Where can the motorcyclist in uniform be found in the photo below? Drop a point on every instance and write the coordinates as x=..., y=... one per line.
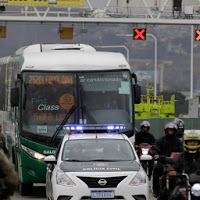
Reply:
x=188, y=161
x=180, y=127
x=145, y=137
x=164, y=147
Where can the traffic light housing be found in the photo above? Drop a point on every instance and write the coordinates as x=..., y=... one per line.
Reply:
x=197, y=35
x=2, y=31
x=66, y=32
x=139, y=33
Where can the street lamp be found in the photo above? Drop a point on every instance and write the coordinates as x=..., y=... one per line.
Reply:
x=155, y=68
x=118, y=46
x=191, y=63
x=156, y=65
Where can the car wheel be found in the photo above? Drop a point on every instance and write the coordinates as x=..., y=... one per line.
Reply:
x=25, y=189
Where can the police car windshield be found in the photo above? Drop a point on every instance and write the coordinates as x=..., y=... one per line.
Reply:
x=109, y=150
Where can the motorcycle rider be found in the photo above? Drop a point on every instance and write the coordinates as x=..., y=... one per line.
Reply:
x=189, y=160
x=180, y=127
x=164, y=146
x=145, y=137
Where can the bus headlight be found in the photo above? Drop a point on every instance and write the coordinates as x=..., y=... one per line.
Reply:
x=63, y=179
x=139, y=179
x=33, y=153
x=195, y=190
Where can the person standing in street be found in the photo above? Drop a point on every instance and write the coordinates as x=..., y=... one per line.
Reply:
x=3, y=142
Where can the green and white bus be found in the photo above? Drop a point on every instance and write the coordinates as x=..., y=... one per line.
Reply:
x=46, y=82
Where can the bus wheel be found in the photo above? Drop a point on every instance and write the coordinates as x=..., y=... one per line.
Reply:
x=25, y=189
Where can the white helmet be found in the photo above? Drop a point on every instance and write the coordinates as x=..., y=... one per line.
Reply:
x=145, y=124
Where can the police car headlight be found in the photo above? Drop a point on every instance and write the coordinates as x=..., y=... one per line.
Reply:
x=139, y=179
x=195, y=190
x=63, y=179
x=33, y=153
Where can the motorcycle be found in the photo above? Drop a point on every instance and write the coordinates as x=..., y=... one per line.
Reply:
x=178, y=187
x=194, y=180
x=146, y=159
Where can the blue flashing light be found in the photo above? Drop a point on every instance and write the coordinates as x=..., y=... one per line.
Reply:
x=110, y=127
x=73, y=127
x=79, y=128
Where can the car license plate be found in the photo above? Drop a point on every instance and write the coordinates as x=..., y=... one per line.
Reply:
x=96, y=194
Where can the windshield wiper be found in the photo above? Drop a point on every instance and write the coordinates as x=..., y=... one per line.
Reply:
x=68, y=115
x=90, y=117
x=88, y=114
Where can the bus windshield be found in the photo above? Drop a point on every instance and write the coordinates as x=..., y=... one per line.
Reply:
x=99, y=97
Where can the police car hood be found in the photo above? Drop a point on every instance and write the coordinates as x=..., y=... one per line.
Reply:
x=99, y=166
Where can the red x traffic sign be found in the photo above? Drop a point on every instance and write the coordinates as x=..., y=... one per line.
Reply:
x=139, y=33
x=197, y=35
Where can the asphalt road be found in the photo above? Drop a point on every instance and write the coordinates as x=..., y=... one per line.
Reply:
x=39, y=194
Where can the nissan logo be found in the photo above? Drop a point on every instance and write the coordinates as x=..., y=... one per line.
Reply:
x=102, y=182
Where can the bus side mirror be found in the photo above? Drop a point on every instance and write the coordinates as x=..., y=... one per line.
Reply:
x=14, y=96
x=136, y=90
x=137, y=93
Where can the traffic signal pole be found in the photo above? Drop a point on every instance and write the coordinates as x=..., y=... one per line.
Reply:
x=155, y=66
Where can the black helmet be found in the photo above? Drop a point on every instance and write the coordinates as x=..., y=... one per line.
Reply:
x=180, y=127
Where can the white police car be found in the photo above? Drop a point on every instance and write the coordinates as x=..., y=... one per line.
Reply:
x=96, y=166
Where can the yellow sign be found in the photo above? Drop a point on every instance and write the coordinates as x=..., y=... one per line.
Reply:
x=43, y=2
x=66, y=101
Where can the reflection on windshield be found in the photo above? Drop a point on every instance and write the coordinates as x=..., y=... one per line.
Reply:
x=100, y=97
x=97, y=150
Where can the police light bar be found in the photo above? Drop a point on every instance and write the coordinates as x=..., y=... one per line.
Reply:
x=82, y=127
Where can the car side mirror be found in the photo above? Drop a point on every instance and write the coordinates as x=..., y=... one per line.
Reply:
x=14, y=96
x=50, y=159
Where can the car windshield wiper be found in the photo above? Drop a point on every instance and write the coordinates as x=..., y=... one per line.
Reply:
x=68, y=115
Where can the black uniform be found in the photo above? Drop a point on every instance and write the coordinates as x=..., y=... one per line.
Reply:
x=187, y=162
x=164, y=146
x=144, y=137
